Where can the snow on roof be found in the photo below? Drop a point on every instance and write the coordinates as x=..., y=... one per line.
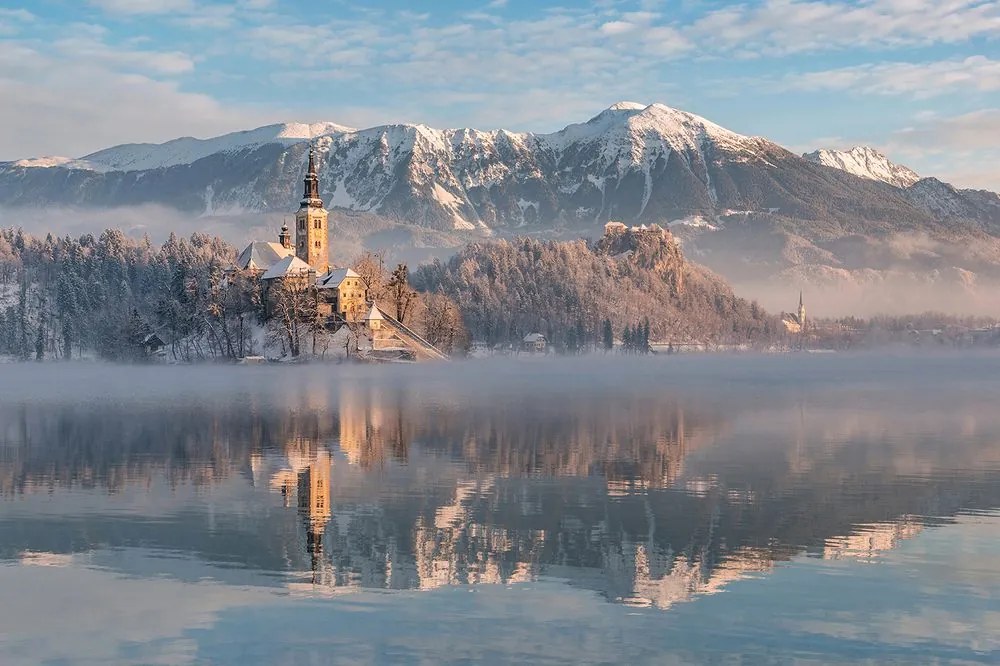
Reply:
x=334, y=278
x=534, y=337
x=374, y=314
x=290, y=265
x=261, y=255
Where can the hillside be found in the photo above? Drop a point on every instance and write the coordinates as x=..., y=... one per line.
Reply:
x=507, y=289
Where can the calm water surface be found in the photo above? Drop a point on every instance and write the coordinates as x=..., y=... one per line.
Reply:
x=797, y=509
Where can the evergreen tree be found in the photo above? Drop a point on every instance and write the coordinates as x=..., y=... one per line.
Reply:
x=608, y=336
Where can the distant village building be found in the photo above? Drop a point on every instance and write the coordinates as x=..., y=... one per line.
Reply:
x=358, y=325
x=534, y=343
x=795, y=323
x=614, y=227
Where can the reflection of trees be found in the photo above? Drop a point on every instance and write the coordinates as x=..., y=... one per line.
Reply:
x=621, y=495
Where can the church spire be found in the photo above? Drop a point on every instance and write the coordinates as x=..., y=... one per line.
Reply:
x=310, y=191
x=285, y=237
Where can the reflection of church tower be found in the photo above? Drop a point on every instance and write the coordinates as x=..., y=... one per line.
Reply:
x=361, y=427
x=314, y=507
x=311, y=237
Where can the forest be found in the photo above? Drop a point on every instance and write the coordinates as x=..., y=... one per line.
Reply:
x=109, y=296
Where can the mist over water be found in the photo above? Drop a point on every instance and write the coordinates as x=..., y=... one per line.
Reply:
x=816, y=508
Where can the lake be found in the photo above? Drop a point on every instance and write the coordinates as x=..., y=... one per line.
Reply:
x=690, y=509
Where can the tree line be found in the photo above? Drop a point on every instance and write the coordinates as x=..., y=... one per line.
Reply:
x=115, y=297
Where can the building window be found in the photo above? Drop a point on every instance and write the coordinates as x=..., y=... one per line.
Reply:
x=317, y=224
x=317, y=244
x=302, y=225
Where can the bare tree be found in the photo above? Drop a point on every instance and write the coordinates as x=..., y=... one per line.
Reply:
x=371, y=267
x=294, y=314
x=442, y=323
x=402, y=296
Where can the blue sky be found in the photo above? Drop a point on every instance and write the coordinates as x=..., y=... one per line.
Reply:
x=919, y=79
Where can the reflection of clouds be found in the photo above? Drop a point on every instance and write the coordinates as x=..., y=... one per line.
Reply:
x=85, y=616
x=936, y=598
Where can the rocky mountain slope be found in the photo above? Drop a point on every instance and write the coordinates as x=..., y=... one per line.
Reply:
x=865, y=162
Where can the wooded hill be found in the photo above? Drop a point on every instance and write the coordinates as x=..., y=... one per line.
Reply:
x=569, y=290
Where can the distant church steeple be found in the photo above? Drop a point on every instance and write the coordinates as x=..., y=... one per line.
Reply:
x=285, y=237
x=802, y=312
x=311, y=234
x=310, y=191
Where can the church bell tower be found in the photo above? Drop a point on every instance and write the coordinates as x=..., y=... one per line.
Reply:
x=311, y=232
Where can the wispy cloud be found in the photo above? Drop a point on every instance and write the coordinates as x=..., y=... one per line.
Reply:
x=961, y=147
x=781, y=27
x=921, y=79
x=78, y=95
x=138, y=7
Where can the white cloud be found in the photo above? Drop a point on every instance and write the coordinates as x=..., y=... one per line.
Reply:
x=780, y=27
x=66, y=104
x=929, y=79
x=137, y=7
x=966, y=132
x=618, y=28
x=96, y=52
x=957, y=149
x=12, y=20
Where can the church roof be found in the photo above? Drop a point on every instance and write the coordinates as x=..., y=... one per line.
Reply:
x=261, y=255
x=290, y=265
x=374, y=314
x=334, y=278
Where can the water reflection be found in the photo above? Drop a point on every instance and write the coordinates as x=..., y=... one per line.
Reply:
x=650, y=498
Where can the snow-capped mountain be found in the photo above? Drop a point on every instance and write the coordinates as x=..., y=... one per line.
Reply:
x=186, y=150
x=865, y=162
x=635, y=162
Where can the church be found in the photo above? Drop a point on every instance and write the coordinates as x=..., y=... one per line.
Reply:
x=795, y=322
x=341, y=294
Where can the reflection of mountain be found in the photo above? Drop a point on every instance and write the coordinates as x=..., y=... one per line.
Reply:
x=646, y=497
